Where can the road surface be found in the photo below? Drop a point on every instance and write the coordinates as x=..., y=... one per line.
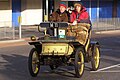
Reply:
x=14, y=57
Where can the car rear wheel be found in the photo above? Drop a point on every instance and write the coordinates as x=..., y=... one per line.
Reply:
x=79, y=62
x=95, y=59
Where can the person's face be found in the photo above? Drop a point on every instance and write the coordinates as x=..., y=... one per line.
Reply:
x=62, y=9
x=78, y=8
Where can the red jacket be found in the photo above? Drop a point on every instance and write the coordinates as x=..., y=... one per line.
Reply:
x=81, y=16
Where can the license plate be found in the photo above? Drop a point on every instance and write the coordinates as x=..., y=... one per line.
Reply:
x=61, y=33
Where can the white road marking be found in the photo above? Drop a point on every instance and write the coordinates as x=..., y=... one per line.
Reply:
x=115, y=71
x=118, y=66
x=101, y=70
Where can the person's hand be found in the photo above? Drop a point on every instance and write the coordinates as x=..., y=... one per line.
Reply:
x=74, y=23
x=68, y=9
x=69, y=23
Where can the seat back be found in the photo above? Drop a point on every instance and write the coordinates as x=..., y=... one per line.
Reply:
x=54, y=24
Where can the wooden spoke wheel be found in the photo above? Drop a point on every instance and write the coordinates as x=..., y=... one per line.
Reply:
x=33, y=62
x=79, y=62
x=95, y=59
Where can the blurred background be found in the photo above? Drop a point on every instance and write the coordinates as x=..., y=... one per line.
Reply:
x=20, y=18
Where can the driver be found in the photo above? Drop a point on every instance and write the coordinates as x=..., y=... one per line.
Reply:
x=60, y=15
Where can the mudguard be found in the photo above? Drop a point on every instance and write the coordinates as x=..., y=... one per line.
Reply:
x=94, y=43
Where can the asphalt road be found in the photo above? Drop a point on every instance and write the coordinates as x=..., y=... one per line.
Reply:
x=14, y=66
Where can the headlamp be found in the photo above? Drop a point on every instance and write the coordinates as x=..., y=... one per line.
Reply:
x=33, y=38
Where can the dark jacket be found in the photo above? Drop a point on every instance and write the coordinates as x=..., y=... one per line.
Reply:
x=57, y=16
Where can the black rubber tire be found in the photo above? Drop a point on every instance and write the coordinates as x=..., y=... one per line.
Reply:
x=35, y=72
x=95, y=59
x=79, y=57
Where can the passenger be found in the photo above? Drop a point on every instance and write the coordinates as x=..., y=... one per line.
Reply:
x=80, y=23
x=80, y=14
x=60, y=15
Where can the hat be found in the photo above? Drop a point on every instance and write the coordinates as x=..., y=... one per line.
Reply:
x=78, y=4
x=63, y=4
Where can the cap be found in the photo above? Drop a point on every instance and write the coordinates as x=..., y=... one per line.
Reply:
x=78, y=4
x=63, y=4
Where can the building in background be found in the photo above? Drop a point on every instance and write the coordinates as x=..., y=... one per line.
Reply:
x=33, y=11
x=5, y=13
x=102, y=8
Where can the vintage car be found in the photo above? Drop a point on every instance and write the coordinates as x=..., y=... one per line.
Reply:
x=63, y=49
